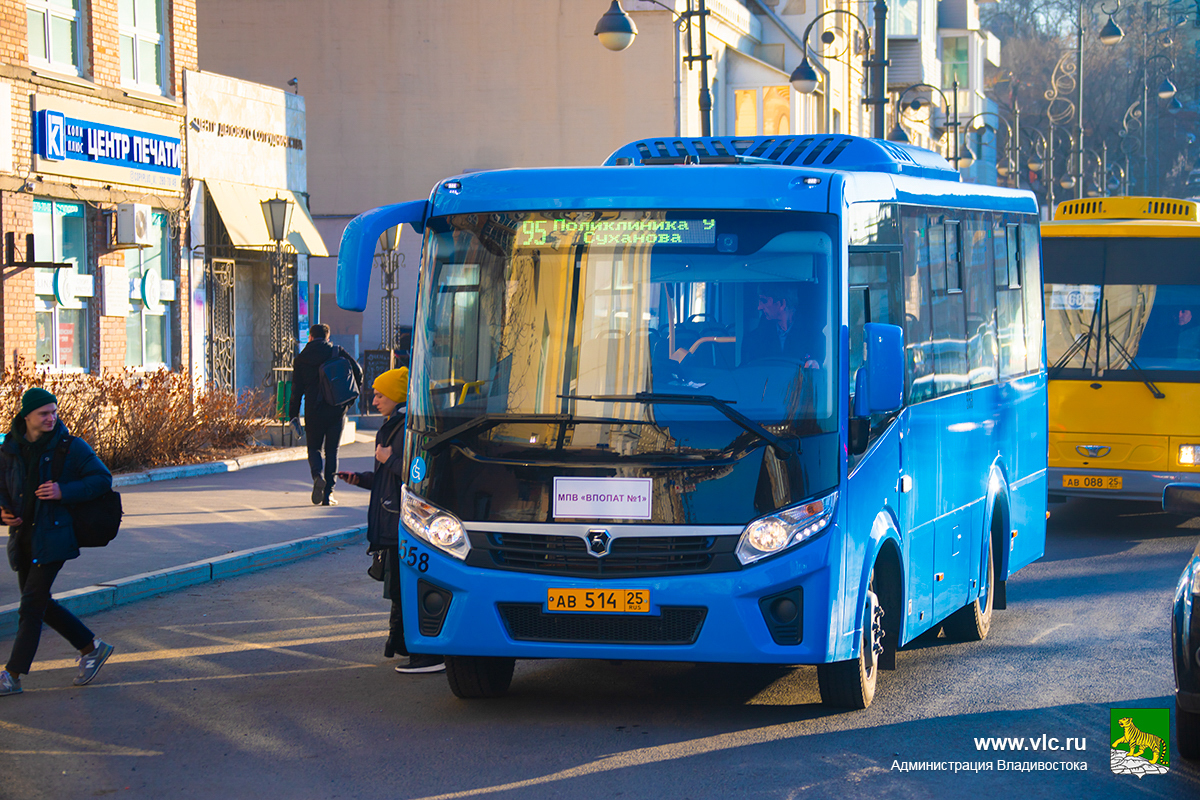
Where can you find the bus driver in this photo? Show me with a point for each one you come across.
(779, 334)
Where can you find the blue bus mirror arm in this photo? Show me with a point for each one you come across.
(357, 249)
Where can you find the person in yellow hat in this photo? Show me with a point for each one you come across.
(383, 525)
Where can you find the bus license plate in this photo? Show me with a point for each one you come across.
(1091, 482)
(620, 601)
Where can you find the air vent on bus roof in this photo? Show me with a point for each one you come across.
(1127, 208)
(825, 151)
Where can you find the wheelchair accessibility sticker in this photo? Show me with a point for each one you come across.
(416, 472)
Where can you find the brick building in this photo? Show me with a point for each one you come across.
(92, 164)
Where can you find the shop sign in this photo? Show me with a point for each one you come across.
(77, 140)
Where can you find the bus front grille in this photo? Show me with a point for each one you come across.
(630, 556)
(527, 622)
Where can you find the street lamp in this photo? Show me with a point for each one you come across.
(805, 79)
(898, 133)
(390, 261)
(616, 31)
(277, 214)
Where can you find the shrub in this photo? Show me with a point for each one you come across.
(136, 419)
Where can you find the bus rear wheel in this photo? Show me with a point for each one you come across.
(972, 622)
(473, 677)
(851, 684)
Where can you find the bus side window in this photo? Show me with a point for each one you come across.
(1032, 263)
(1010, 312)
(948, 313)
(918, 377)
(981, 302)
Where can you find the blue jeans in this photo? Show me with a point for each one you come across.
(37, 606)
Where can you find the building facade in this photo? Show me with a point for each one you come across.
(402, 95)
(92, 165)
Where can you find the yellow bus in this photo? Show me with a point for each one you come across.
(1122, 294)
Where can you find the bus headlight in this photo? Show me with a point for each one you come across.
(439, 528)
(1189, 454)
(786, 528)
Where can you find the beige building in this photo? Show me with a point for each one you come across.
(403, 94)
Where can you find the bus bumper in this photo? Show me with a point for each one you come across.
(710, 617)
(1135, 484)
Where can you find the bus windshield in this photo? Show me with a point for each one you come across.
(610, 335)
(1122, 304)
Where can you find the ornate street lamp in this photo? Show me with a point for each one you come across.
(277, 213)
(616, 31)
(805, 79)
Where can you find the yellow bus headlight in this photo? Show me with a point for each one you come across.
(1189, 454)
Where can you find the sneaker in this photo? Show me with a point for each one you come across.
(318, 490)
(423, 663)
(329, 501)
(90, 664)
(9, 683)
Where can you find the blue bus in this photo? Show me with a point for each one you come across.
(760, 400)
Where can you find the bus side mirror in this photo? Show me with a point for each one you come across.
(885, 368)
(1181, 498)
(357, 250)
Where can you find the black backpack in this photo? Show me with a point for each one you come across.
(96, 521)
(336, 380)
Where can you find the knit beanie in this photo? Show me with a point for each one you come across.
(393, 385)
(35, 398)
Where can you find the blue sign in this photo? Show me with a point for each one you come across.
(416, 472)
(58, 137)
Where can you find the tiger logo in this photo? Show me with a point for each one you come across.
(1139, 741)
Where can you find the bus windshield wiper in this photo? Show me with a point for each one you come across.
(784, 448)
(1084, 340)
(1123, 353)
(487, 421)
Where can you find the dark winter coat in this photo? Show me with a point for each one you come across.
(83, 477)
(306, 378)
(383, 513)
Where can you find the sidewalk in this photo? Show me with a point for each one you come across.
(178, 522)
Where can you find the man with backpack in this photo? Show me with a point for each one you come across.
(38, 487)
(328, 379)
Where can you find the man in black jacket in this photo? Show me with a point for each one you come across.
(323, 423)
(41, 530)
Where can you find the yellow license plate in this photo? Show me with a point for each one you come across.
(620, 601)
(1091, 482)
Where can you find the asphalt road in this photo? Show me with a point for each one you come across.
(274, 684)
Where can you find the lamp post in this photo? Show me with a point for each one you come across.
(390, 260)
(805, 79)
(277, 213)
(1008, 129)
(1112, 33)
(898, 134)
(616, 31)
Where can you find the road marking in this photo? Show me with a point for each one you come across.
(67, 745)
(214, 650)
(1049, 631)
(643, 756)
(199, 678)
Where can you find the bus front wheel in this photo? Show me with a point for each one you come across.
(474, 677)
(851, 684)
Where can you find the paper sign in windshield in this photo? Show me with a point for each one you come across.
(1073, 297)
(602, 498)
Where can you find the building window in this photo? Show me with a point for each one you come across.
(902, 17)
(142, 43)
(54, 32)
(147, 328)
(60, 303)
(955, 62)
(776, 113)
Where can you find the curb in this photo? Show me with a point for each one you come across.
(103, 596)
(211, 467)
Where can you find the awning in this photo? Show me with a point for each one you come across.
(240, 206)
